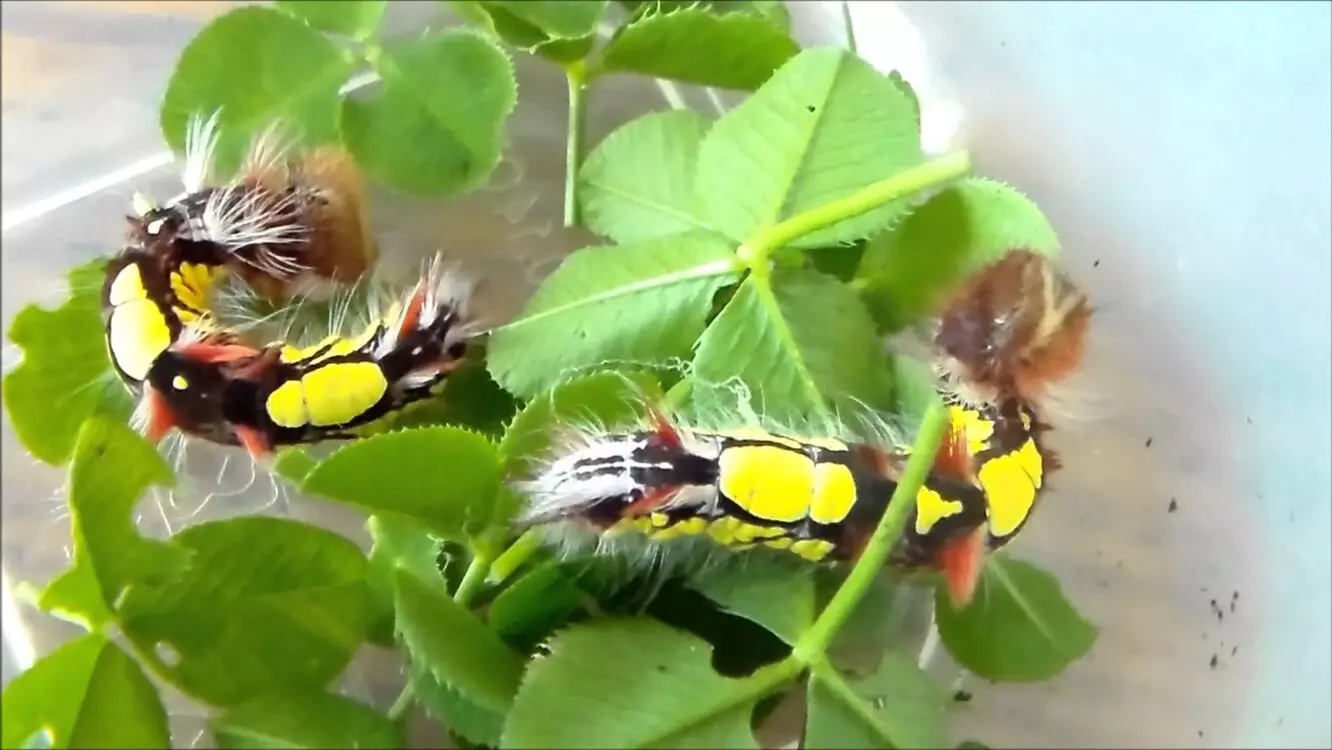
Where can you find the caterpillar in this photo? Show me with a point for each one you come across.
(288, 225)
(1009, 334)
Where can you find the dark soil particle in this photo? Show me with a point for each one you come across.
(1173, 506)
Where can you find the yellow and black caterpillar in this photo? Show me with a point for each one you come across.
(284, 226)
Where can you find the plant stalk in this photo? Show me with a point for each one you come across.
(576, 76)
(847, 26)
(755, 251)
(815, 642)
(513, 558)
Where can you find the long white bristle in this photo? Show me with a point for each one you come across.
(201, 135)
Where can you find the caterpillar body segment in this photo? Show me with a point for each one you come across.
(276, 395)
(819, 499)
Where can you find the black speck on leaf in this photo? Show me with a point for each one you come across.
(962, 696)
(809, 108)
(1213, 662)
(1248, 420)
(1149, 442)
(661, 668)
(1174, 506)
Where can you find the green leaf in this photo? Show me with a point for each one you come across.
(499, 20)
(772, 11)
(824, 126)
(357, 19)
(534, 605)
(445, 478)
(1019, 627)
(605, 398)
(799, 342)
(906, 272)
(643, 304)
(899, 706)
(773, 592)
(465, 718)
(256, 65)
(437, 126)
(65, 376)
(458, 650)
(561, 19)
(304, 719)
(694, 45)
(396, 543)
(112, 468)
(638, 184)
(87, 693)
(581, 695)
(269, 604)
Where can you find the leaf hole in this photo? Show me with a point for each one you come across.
(167, 654)
(739, 646)
(42, 738)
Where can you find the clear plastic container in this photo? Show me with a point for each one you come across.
(1180, 150)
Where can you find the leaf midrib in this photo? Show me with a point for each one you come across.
(786, 337)
(671, 211)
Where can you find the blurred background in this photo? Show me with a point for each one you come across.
(1181, 150)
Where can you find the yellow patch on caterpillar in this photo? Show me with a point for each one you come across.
(1010, 482)
(834, 493)
(969, 422)
(137, 331)
(771, 482)
(931, 508)
(813, 550)
(191, 283)
(327, 396)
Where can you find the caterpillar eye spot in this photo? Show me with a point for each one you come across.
(180, 383)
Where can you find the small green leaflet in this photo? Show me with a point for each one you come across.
(578, 696)
(800, 341)
(534, 605)
(695, 45)
(112, 468)
(445, 478)
(465, 718)
(460, 652)
(906, 272)
(65, 376)
(642, 304)
(304, 719)
(1019, 627)
(638, 184)
(357, 19)
(437, 126)
(898, 706)
(269, 603)
(87, 693)
(256, 65)
(824, 126)
(560, 19)
(397, 543)
(538, 30)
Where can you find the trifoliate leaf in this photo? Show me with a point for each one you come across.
(695, 45)
(397, 543)
(898, 706)
(458, 650)
(642, 304)
(112, 468)
(1019, 627)
(357, 19)
(609, 399)
(87, 693)
(906, 272)
(445, 478)
(66, 375)
(800, 341)
(639, 183)
(437, 126)
(256, 65)
(579, 696)
(773, 592)
(268, 604)
(824, 126)
(303, 719)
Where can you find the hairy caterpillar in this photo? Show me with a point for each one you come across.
(288, 225)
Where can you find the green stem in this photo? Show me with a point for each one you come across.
(513, 558)
(755, 251)
(847, 27)
(815, 642)
(576, 76)
(467, 588)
